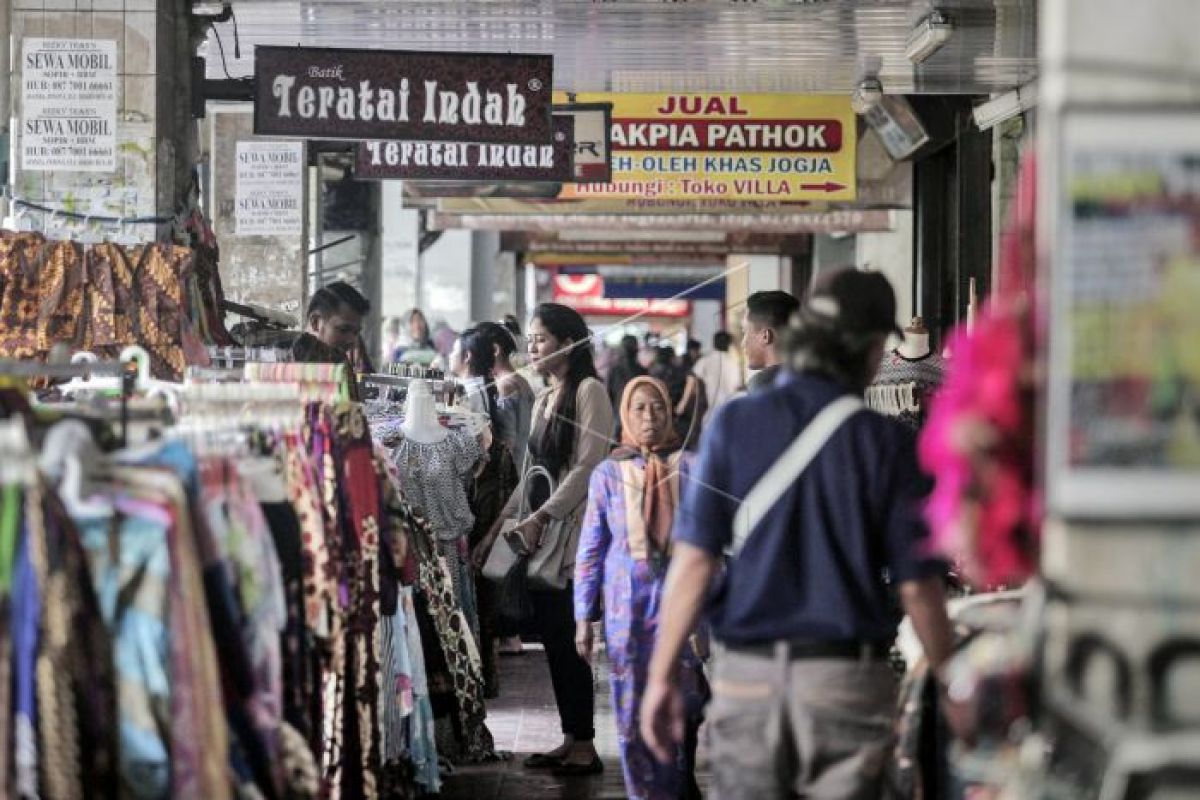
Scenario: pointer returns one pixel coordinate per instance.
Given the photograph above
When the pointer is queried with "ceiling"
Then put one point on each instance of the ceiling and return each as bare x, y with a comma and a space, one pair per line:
814, 46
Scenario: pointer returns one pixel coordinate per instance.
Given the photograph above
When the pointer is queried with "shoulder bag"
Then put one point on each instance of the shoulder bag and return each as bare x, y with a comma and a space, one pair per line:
547, 566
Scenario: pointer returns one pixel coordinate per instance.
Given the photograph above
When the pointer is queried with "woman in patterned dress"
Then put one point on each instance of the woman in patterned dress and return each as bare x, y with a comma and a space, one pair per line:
623, 555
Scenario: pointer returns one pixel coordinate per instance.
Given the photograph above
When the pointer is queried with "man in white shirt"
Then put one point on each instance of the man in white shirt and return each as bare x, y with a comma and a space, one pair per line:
720, 371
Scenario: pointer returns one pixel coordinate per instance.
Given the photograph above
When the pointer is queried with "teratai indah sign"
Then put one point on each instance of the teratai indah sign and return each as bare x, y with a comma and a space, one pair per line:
323, 93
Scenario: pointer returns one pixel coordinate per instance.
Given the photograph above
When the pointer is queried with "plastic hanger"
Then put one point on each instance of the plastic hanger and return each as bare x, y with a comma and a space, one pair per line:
70, 456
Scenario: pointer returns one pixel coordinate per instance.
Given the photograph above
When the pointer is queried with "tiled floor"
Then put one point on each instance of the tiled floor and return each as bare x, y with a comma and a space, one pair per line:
524, 720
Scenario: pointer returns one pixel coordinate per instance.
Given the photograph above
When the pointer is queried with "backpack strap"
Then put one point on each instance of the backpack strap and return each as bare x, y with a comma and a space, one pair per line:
789, 466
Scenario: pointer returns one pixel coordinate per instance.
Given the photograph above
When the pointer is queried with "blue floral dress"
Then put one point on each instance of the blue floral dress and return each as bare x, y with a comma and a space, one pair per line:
616, 565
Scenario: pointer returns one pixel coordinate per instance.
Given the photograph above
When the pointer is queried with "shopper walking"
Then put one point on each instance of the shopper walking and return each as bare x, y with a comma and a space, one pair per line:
766, 319
572, 422
720, 372
821, 542
625, 369
624, 550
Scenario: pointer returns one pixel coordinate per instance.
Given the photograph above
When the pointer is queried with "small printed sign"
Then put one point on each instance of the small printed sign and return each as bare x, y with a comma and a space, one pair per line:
69, 105
270, 189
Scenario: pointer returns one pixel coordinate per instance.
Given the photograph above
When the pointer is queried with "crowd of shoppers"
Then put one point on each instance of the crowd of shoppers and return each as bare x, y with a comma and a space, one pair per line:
794, 535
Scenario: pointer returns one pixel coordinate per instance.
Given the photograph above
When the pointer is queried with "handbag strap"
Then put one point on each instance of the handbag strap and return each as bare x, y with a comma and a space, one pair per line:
789, 466
535, 471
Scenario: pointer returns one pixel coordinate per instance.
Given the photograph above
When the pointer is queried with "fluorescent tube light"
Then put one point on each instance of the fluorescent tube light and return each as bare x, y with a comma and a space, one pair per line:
928, 37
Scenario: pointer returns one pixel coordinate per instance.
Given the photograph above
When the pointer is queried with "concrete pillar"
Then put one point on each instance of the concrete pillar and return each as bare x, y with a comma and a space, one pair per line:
707, 320
400, 237
155, 137
446, 270
485, 250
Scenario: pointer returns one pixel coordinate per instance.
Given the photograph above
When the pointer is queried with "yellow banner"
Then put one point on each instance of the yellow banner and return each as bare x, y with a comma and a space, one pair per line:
727, 147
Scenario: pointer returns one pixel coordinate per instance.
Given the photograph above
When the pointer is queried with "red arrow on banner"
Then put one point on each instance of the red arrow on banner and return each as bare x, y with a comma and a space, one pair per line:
828, 186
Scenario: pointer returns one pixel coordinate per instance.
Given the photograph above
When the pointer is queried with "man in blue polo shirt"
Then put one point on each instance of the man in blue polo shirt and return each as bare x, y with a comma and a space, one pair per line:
818, 502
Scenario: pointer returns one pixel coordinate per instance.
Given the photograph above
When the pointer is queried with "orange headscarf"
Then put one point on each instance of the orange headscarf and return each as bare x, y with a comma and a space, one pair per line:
658, 503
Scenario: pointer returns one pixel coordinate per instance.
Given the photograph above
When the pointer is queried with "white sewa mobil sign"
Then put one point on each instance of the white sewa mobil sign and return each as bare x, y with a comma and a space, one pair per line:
270, 189
69, 105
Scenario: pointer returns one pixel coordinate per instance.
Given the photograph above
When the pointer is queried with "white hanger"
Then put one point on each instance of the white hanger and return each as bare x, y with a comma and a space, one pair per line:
16, 457
70, 457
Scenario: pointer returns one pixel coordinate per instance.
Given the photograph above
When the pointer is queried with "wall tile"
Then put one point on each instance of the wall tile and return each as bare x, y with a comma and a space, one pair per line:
26, 24
108, 5
140, 43
111, 25
139, 102
63, 24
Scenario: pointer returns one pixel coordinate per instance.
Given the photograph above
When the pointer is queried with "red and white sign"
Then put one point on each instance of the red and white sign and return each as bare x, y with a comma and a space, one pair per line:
585, 294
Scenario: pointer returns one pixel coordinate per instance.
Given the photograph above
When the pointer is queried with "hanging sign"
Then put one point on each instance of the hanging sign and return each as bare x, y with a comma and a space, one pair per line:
270, 188
593, 121
850, 220
728, 147
462, 161
324, 93
69, 105
585, 294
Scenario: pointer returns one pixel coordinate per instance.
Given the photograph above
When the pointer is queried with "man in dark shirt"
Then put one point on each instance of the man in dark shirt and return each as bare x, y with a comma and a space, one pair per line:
807, 609
767, 317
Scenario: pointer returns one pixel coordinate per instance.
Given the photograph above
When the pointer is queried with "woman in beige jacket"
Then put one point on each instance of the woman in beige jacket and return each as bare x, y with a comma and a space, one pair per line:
572, 426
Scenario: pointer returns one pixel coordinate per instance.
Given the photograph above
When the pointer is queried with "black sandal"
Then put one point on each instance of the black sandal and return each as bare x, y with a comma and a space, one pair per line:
564, 770
543, 761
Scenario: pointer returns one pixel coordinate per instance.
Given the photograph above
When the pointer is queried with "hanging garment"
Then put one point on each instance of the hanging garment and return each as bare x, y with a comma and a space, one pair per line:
359, 480
450, 644
77, 702
61, 297
490, 493
422, 739
110, 301
21, 256
159, 277
251, 566
434, 478
199, 730
130, 564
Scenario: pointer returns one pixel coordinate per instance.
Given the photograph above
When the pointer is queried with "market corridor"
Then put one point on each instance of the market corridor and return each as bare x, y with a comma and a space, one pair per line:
524, 720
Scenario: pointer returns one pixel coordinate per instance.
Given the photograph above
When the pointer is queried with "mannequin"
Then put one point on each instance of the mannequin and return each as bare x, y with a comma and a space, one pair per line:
916, 341
907, 378
421, 417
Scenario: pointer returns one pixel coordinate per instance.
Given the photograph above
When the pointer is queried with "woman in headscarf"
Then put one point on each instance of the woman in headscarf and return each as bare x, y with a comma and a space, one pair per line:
622, 561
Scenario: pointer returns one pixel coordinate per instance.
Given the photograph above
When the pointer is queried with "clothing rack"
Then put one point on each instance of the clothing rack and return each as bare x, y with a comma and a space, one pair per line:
239, 356
443, 388
126, 371
412, 371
